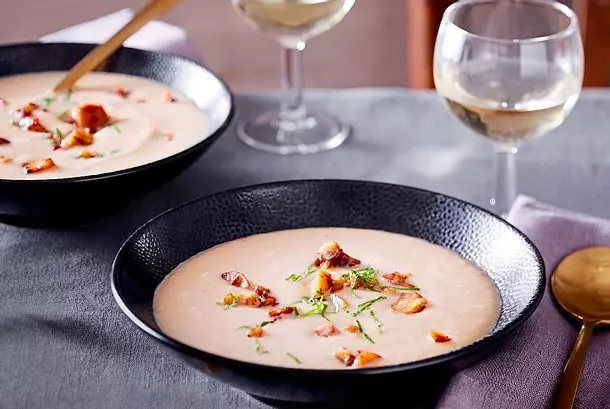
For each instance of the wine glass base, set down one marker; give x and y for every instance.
(311, 132)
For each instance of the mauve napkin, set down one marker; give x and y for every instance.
(523, 372)
(154, 36)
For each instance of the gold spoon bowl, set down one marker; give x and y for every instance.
(581, 286)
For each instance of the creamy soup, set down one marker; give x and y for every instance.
(108, 122)
(365, 298)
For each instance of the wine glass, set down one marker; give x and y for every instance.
(510, 70)
(293, 128)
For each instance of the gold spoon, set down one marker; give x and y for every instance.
(581, 286)
(95, 57)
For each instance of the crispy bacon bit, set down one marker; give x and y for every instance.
(38, 165)
(24, 111)
(409, 303)
(236, 279)
(260, 297)
(352, 329)
(345, 356)
(5, 160)
(90, 116)
(30, 107)
(255, 332)
(400, 279)
(248, 298)
(168, 137)
(85, 154)
(77, 137)
(338, 284)
(322, 283)
(230, 298)
(264, 296)
(339, 302)
(169, 97)
(331, 255)
(140, 100)
(121, 92)
(32, 124)
(281, 311)
(365, 357)
(389, 290)
(4, 141)
(326, 330)
(439, 337)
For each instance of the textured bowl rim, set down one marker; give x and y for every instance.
(136, 169)
(428, 363)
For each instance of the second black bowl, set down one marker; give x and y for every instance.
(60, 202)
(509, 258)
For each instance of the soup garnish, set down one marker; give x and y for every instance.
(356, 305)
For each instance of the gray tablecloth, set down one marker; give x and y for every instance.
(65, 344)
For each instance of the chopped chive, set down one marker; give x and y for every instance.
(296, 312)
(366, 277)
(48, 100)
(109, 153)
(294, 358)
(355, 294)
(406, 288)
(367, 304)
(116, 128)
(63, 115)
(364, 333)
(59, 134)
(265, 323)
(318, 307)
(259, 348)
(377, 321)
(298, 277)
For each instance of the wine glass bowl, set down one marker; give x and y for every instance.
(293, 128)
(511, 71)
(292, 22)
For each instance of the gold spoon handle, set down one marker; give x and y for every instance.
(152, 10)
(568, 386)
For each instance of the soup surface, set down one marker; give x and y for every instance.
(108, 122)
(327, 298)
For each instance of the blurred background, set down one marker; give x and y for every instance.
(379, 43)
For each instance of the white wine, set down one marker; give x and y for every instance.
(507, 102)
(293, 21)
(510, 125)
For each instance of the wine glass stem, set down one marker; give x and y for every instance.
(506, 184)
(292, 108)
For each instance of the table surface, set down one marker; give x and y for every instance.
(64, 343)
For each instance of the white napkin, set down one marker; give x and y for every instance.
(154, 36)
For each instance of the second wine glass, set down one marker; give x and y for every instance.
(293, 128)
(510, 70)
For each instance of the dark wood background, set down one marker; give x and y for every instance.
(380, 43)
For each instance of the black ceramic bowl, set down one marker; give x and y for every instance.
(51, 202)
(510, 259)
